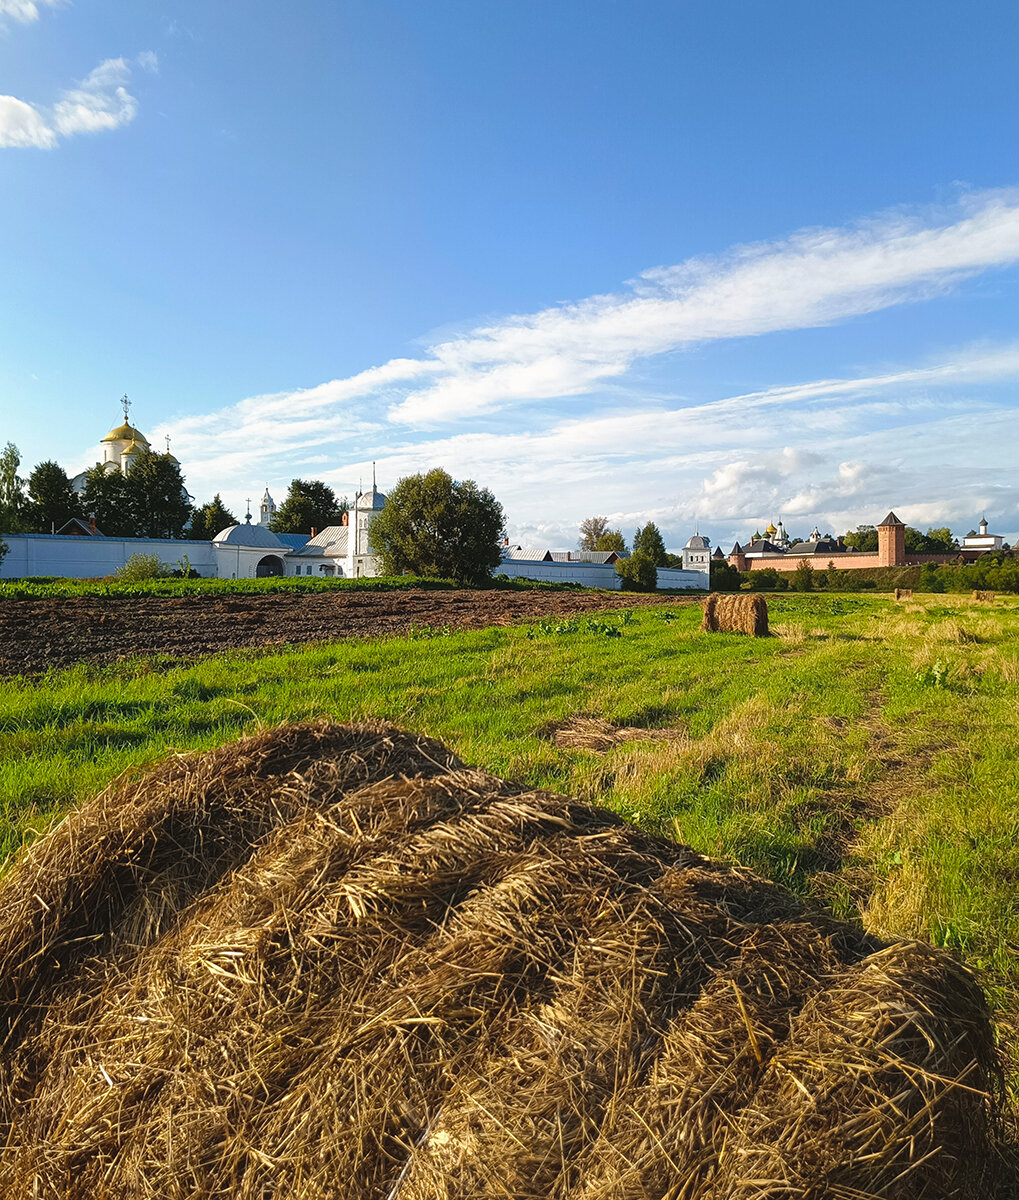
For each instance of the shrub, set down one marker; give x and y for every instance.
(140, 567)
(638, 572)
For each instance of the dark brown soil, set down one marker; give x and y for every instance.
(38, 635)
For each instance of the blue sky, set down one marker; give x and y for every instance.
(703, 263)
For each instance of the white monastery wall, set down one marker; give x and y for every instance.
(87, 557)
(597, 575)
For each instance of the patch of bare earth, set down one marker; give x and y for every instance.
(38, 635)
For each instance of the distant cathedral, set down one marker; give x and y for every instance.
(122, 449)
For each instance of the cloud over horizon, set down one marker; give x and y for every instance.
(723, 459)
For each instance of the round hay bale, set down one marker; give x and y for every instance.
(332, 961)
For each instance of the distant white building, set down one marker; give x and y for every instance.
(344, 550)
(983, 540)
(697, 554)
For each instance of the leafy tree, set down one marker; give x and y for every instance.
(830, 578)
(767, 579)
(52, 499)
(106, 498)
(310, 504)
(648, 540)
(672, 560)
(158, 503)
(864, 538)
(723, 577)
(934, 541)
(591, 529)
(638, 572)
(210, 519)
(803, 577)
(13, 504)
(433, 526)
(612, 539)
(3, 550)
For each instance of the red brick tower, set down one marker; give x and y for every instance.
(891, 542)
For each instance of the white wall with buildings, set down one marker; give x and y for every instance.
(597, 575)
(88, 557)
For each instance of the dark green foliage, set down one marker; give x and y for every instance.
(929, 581)
(934, 541)
(107, 498)
(157, 501)
(672, 560)
(638, 572)
(864, 539)
(52, 501)
(14, 512)
(210, 519)
(648, 540)
(767, 579)
(723, 577)
(803, 577)
(310, 504)
(433, 526)
(612, 539)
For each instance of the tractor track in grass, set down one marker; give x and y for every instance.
(40, 635)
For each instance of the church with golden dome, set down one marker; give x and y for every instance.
(122, 448)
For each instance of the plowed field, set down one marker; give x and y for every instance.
(40, 635)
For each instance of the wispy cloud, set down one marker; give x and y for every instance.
(728, 458)
(24, 10)
(99, 102)
(813, 278)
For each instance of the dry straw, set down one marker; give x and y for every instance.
(330, 961)
(736, 614)
(984, 597)
(903, 593)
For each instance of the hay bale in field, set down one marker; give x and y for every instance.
(903, 593)
(331, 961)
(984, 597)
(735, 614)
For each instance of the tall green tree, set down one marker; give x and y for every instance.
(310, 504)
(864, 538)
(638, 572)
(648, 540)
(210, 519)
(14, 511)
(591, 529)
(434, 526)
(611, 539)
(52, 499)
(106, 497)
(159, 504)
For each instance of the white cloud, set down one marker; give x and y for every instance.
(100, 102)
(24, 10)
(813, 278)
(23, 125)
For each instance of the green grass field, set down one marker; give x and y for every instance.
(865, 756)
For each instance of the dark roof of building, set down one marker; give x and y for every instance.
(697, 543)
(294, 540)
(718, 553)
(891, 519)
(75, 526)
(736, 549)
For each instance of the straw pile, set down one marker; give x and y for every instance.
(903, 593)
(984, 597)
(736, 614)
(330, 961)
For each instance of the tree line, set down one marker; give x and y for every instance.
(149, 501)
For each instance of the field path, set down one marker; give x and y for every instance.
(38, 635)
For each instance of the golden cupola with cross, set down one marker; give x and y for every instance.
(124, 445)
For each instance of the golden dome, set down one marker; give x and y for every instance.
(136, 448)
(771, 531)
(127, 433)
